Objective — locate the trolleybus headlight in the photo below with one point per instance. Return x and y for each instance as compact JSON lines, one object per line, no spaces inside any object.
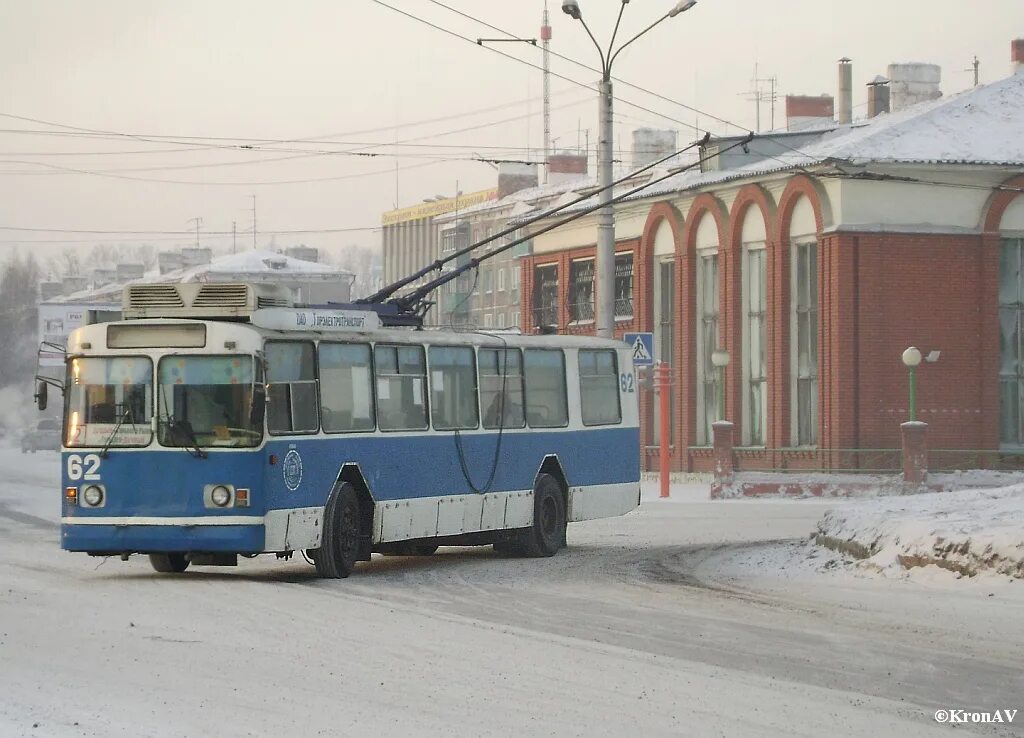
{"x":93,"y":495}
{"x":220,"y":496}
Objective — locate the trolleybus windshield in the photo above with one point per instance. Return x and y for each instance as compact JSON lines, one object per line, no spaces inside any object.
{"x":110,"y":401}
{"x":209,"y":401}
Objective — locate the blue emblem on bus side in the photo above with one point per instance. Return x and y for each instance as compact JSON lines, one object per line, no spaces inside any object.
{"x":292,"y":470}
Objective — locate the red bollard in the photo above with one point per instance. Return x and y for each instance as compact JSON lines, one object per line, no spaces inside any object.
{"x":662,"y":384}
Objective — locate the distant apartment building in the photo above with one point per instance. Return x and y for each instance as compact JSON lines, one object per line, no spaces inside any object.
{"x":410,"y":234}
{"x":490,"y":295}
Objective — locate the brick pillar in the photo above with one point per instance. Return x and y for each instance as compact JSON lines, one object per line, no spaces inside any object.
{"x":723,"y":445}
{"x":915,"y":451}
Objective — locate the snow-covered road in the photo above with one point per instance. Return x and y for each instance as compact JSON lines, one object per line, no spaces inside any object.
{"x":673,"y":620}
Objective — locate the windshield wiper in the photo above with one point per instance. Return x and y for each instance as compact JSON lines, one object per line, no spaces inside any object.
{"x":117,"y":426}
{"x":185,"y":428}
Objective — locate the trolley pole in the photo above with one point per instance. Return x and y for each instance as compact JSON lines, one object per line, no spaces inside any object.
{"x":663,"y":383}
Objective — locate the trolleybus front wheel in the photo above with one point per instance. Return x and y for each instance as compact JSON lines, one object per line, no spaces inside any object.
{"x":169,"y":563}
{"x":339,"y":544}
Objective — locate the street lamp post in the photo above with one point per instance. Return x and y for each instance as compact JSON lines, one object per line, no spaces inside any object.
{"x":605,"y":262}
{"x":720,"y":359}
{"x":911,"y":359}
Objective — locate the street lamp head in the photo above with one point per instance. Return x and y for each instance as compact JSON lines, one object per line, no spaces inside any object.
{"x":720,"y":358}
{"x":912,"y":357}
{"x":681,"y":7}
{"x":572,"y":8}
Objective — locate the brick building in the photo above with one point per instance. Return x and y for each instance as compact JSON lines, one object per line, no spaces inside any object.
{"x":815,"y":267}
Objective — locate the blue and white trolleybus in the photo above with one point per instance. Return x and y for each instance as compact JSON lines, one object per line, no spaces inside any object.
{"x":219,"y":422}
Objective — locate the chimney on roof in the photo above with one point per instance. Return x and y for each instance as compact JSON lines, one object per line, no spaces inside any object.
{"x":651,"y":144}
{"x":808,"y":111}
{"x":910,"y":84}
{"x":513,"y":176}
{"x":878,"y":96}
{"x":565,"y":167}
{"x":844,"y":113}
{"x":1017,"y":55}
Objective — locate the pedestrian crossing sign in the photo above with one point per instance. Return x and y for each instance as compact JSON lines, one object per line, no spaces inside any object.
{"x":643,"y":348}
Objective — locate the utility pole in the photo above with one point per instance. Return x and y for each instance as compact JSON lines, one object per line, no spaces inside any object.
{"x":604,"y":292}
{"x":545,"y":37}
{"x":975,"y":67}
{"x":234,"y":238}
{"x":254,"y":222}
{"x":758,"y":95}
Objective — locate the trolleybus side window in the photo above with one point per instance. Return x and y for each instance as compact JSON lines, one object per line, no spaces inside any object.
{"x":109,"y":398}
{"x":453,"y":398}
{"x":546,"y":402}
{"x":346,"y":387}
{"x":401,"y":387}
{"x":599,"y":388}
{"x":502,"y":369}
{"x":291,"y":382}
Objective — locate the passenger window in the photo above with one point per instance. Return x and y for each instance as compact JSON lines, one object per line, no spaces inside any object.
{"x":453,"y":403}
{"x":291,"y":387}
{"x":502,"y":370}
{"x":599,"y":388}
{"x":546,"y":403}
{"x":346,"y":388}
{"x":401,"y":383}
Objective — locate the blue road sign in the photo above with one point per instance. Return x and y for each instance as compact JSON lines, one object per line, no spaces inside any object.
{"x":643,"y":347}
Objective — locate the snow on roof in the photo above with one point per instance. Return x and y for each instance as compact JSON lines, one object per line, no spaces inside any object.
{"x":982,"y":126}
{"x":259,"y":265}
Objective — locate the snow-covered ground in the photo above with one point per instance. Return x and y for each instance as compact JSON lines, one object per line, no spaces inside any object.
{"x":673,"y":620}
{"x":966,"y":532}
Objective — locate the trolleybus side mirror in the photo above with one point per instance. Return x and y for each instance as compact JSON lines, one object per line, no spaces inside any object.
{"x":40,"y":395}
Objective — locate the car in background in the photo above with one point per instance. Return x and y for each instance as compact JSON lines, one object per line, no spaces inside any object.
{"x":45,"y":436}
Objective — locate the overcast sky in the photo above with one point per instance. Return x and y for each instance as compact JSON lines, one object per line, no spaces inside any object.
{"x":205,"y":77}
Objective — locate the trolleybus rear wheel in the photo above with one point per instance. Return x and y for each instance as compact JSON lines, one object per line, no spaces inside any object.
{"x":169,"y":563}
{"x":339,"y":545}
{"x":547,"y":534}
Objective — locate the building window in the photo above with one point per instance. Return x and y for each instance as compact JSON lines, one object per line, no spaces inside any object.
{"x":664,"y":304}
{"x":1011,"y":369}
{"x":515,"y":277}
{"x":581,"y":290}
{"x":754,"y":346}
{"x":545,"y":295}
{"x":708,"y":375}
{"x":501,"y":279}
{"x":805,"y":346}
{"x":488,"y":280}
{"x":488,"y":320}
{"x":623,"y":286}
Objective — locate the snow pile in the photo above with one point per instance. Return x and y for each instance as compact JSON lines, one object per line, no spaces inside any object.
{"x":967,"y":532}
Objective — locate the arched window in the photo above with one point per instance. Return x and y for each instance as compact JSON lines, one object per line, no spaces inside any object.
{"x":754,"y":317}
{"x":1011,"y":326}
{"x":709,"y":378}
{"x":803,"y":243}
{"x":664,"y":303}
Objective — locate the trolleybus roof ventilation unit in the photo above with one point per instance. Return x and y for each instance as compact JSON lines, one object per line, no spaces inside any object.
{"x":202,"y":300}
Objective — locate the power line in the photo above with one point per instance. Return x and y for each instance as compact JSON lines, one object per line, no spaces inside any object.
{"x":285,"y":232}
